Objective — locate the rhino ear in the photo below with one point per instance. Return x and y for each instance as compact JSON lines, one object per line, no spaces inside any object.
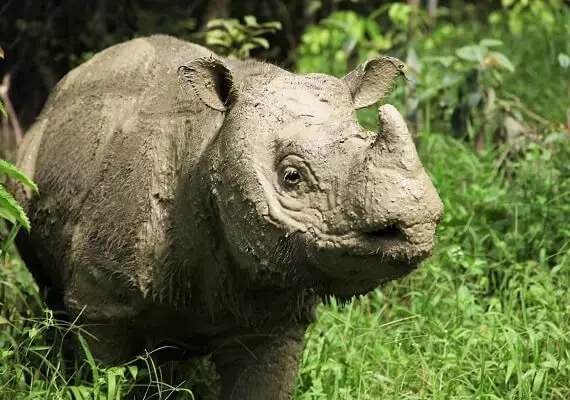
{"x":210,"y":80}
{"x":371,"y":81}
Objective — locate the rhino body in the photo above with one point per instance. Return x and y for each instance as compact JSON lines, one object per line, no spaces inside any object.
{"x":191,"y":199}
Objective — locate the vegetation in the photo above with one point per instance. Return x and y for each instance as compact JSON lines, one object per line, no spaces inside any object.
{"x":489,"y":315}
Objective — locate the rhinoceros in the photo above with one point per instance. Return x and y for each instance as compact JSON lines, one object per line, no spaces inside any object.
{"x":189,"y":198}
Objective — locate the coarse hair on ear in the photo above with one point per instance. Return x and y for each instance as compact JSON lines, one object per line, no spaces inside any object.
{"x":211,"y":80}
{"x":372,"y":80}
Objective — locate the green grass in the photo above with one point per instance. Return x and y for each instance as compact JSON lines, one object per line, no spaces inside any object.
{"x":488,"y":317}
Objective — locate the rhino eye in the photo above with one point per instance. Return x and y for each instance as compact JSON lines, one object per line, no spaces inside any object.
{"x":291,"y":176}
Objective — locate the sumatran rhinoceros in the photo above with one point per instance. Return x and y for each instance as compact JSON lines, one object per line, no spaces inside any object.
{"x":187,"y":198}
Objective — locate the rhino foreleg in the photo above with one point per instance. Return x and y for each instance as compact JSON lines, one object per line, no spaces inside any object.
{"x":260,"y":366}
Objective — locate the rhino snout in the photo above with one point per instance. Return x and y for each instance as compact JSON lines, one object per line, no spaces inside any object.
{"x":393,"y":201}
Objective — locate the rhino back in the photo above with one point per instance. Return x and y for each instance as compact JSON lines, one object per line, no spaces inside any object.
{"x":106,"y":153}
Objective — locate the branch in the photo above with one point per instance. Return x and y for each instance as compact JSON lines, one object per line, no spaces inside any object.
{"x":12,"y":116}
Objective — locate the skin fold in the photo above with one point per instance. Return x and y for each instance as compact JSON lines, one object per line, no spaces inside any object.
{"x":211,"y":202}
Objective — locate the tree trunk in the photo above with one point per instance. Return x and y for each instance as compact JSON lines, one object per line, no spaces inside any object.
{"x":11,"y":129}
{"x":216,"y":9}
{"x":412,"y":111}
{"x":432,"y":12}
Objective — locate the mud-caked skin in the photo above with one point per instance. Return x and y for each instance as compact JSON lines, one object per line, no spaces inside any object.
{"x":191,"y":199}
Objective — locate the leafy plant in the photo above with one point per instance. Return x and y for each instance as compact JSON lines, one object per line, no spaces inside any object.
{"x":337,"y":43}
{"x":10,"y":209}
{"x":520,"y":12}
{"x":472,"y":89}
{"x":231,"y":37}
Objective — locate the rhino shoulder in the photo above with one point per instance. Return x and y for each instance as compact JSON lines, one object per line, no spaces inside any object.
{"x":127,"y":67}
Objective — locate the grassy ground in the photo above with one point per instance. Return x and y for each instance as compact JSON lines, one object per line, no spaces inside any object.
{"x":488,"y":317}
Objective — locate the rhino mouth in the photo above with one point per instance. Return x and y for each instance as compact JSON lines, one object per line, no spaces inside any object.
{"x":391,"y":232}
{"x":375,"y":255}
{"x":392,"y":240}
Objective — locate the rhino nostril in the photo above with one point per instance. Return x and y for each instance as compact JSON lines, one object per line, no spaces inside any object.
{"x":389,"y":232}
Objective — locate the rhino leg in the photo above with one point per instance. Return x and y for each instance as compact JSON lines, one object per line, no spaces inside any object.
{"x":260,"y":366}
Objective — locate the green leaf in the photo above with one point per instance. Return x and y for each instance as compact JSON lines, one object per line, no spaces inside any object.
{"x":3,"y":111}
{"x":510,"y":369}
{"x":13,"y":171}
{"x":9,"y":240}
{"x":470,"y":53}
{"x":7,"y":216}
{"x":218,"y":33}
{"x":564,"y":60}
{"x":133,"y":370}
{"x":495,"y":18}
{"x":114,"y":378}
{"x":502,"y":60}
{"x":276,"y":25}
{"x":399,"y":13}
{"x":445,"y":61}
{"x":261,"y":42}
{"x":89,"y":356}
{"x":80,"y":392}
{"x":246,"y":47}
{"x":490,"y":43}
{"x":538,"y":379}
{"x":221,"y":23}
{"x":11,"y":206}
{"x":250,"y":20}
{"x":516,"y":24}
{"x":213,"y":41}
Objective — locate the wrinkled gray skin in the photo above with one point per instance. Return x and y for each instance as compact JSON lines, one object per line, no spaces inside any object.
{"x":214,"y":204}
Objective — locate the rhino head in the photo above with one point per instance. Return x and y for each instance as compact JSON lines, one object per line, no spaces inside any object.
{"x":304,"y":194}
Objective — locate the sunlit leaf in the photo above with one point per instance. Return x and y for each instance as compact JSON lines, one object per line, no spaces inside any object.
{"x":273,"y":25}
{"x":12,"y":207}
{"x":470,"y":53}
{"x":491,"y":43}
{"x":564,"y":60}
{"x":445,"y":61}
{"x":495,"y":18}
{"x":7,"y":216}
{"x":13,"y":171}
{"x":218,"y":33}
{"x":246,"y":48}
{"x":214,"y":41}
{"x":250,"y":20}
{"x":133,"y":370}
{"x":220,"y":23}
{"x":399,"y":13}
{"x":502,"y":60}
{"x":261,"y":42}
{"x":516,"y":24}
{"x":537,"y":381}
